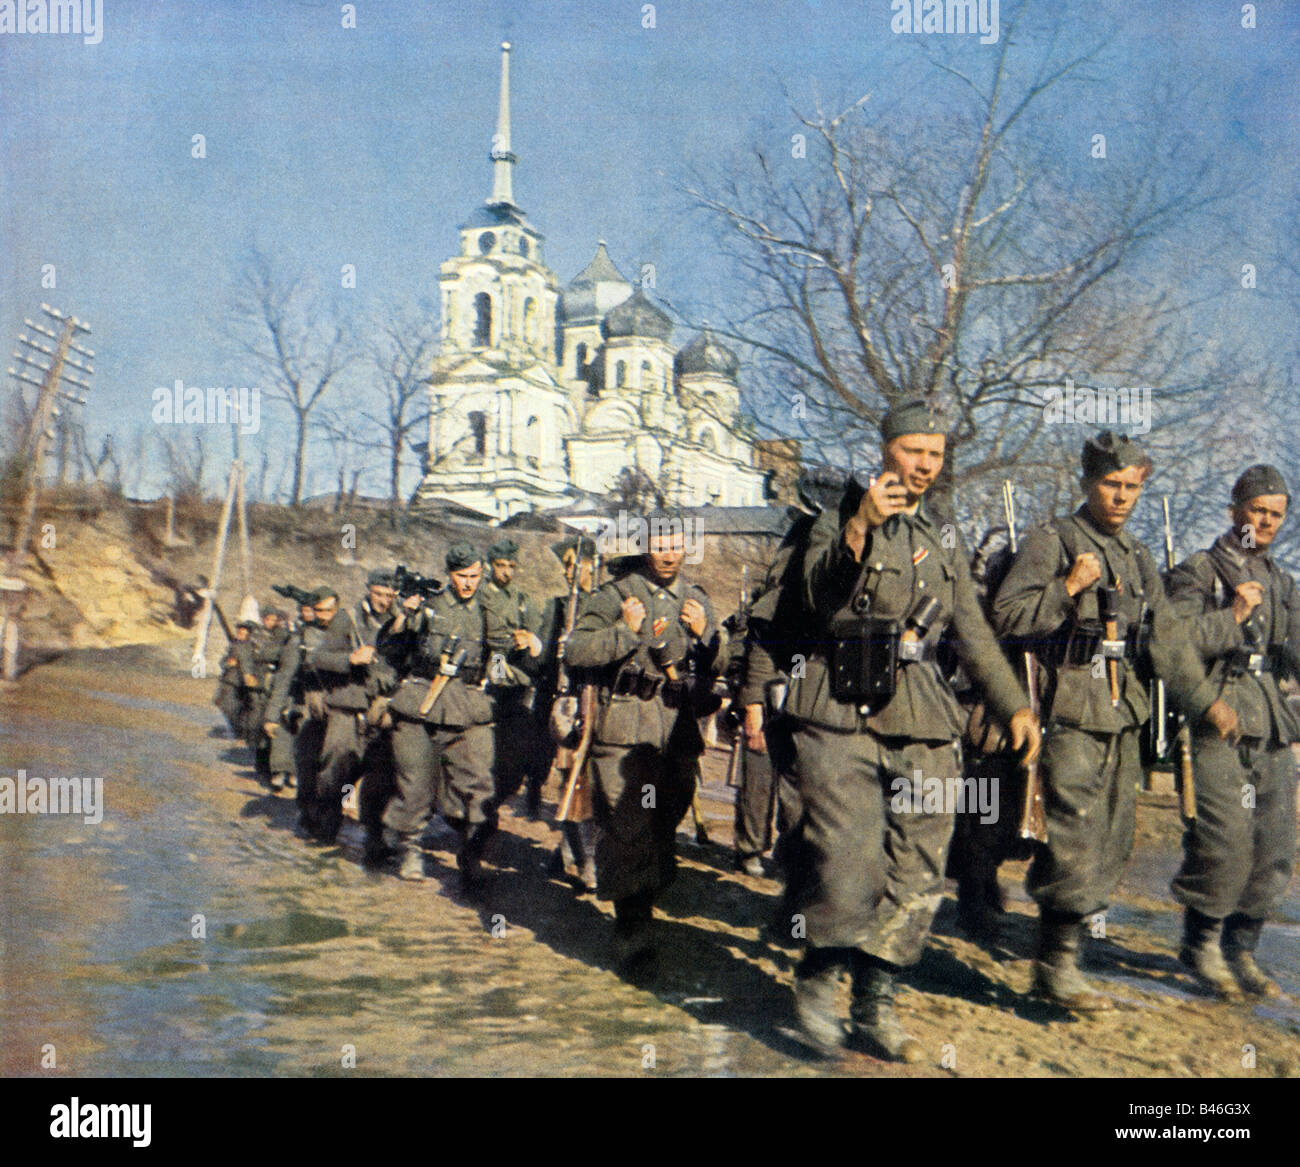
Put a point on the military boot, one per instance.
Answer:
(816, 982)
(382, 844)
(410, 858)
(634, 941)
(471, 852)
(278, 781)
(1240, 939)
(1056, 971)
(1201, 954)
(872, 1012)
(980, 909)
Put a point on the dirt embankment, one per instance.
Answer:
(109, 574)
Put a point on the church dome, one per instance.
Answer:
(594, 290)
(705, 355)
(636, 316)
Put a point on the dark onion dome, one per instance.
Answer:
(496, 216)
(706, 355)
(636, 316)
(579, 303)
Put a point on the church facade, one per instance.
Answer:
(543, 394)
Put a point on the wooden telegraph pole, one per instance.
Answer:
(60, 359)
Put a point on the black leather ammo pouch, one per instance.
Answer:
(864, 659)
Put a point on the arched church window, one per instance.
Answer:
(580, 359)
(530, 320)
(523, 247)
(620, 374)
(482, 320)
(647, 375)
(707, 440)
(486, 242)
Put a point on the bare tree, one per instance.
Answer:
(295, 340)
(954, 260)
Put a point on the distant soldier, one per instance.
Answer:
(652, 639)
(238, 684)
(1084, 590)
(1239, 852)
(513, 623)
(270, 643)
(442, 720)
(347, 672)
(285, 706)
(876, 727)
(577, 556)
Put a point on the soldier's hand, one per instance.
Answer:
(694, 617)
(1249, 597)
(1026, 732)
(363, 655)
(269, 728)
(1085, 572)
(250, 681)
(525, 639)
(753, 727)
(1223, 717)
(412, 603)
(633, 613)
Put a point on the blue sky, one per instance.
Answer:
(328, 146)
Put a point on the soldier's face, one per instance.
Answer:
(308, 614)
(1258, 519)
(270, 621)
(665, 556)
(381, 598)
(325, 611)
(503, 571)
(916, 459)
(241, 633)
(465, 581)
(1111, 499)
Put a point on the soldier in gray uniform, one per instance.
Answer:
(513, 625)
(284, 707)
(310, 736)
(237, 687)
(652, 639)
(1239, 852)
(442, 749)
(876, 727)
(1081, 591)
(346, 667)
(266, 657)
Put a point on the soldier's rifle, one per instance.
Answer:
(1186, 762)
(575, 801)
(1033, 813)
(300, 596)
(449, 663)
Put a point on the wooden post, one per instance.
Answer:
(210, 592)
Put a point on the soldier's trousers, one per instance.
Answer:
(513, 729)
(979, 848)
(870, 859)
(1090, 783)
(328, 757)
(1239, 854)
(281, 759)
(765, 788)
(641, 794)
(439, 769)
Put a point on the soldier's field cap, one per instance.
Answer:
(505, 549)
(581, 545)
(1259, 479)
(461, 555)
(323, 593)
(251, 625)
(380, 578)
(1109, 452)
(912, 415)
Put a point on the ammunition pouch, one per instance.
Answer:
(864, 660)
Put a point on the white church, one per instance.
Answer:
(541, 395)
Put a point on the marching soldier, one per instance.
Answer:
(1083, 589)
(652, 638)
(266, 656)
(284, 707)
(513, 624)
(442, 720)
(344, 667)
(238, 684)
(1239, 852)
(875, 722)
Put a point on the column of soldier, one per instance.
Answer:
(845, 671)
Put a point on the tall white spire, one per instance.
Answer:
(503, 161)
